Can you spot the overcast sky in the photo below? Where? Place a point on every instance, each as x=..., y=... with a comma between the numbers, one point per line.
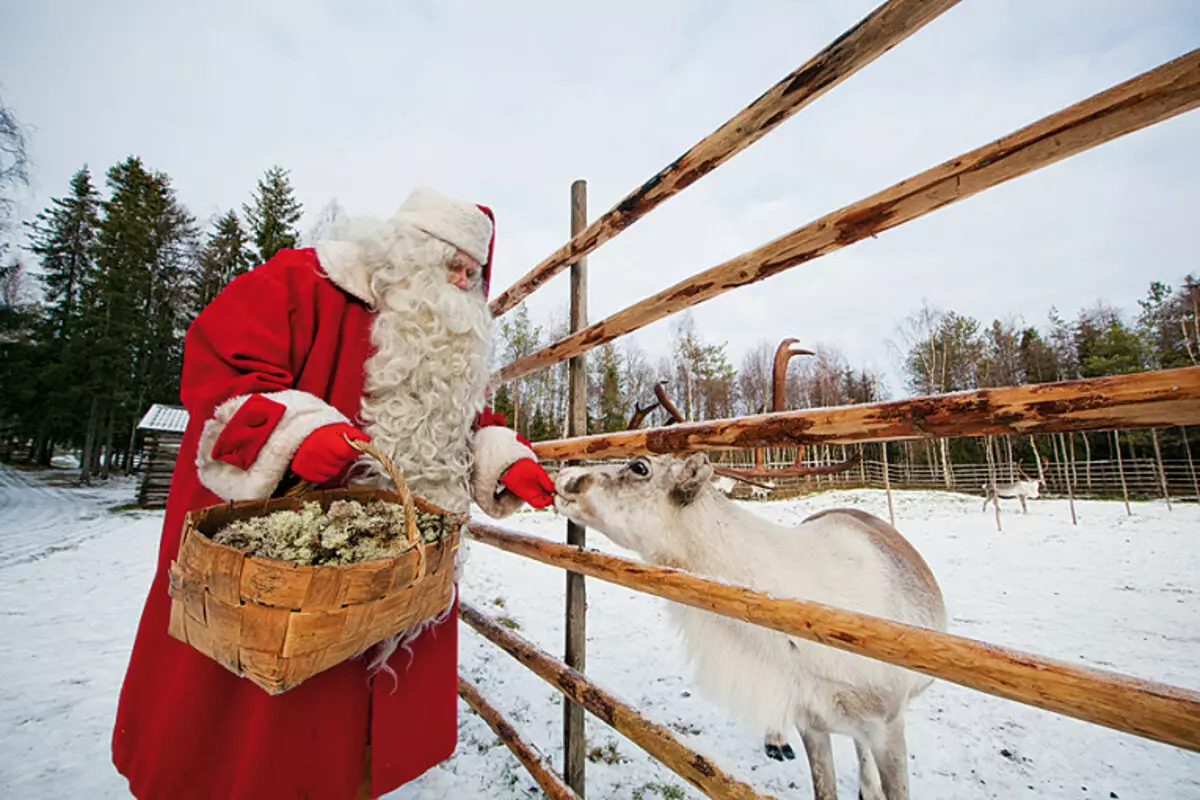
x=507, y=103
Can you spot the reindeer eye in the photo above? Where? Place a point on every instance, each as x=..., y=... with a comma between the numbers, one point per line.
x=639, y=468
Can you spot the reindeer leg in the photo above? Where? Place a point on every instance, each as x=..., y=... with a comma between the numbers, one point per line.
x=820, y=763
x=891, y=757
x=869, y=787
x=777, y=748
x=1024, y=508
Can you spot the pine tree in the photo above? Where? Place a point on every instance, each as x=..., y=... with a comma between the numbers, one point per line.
x=1163, y=326
x=273, y=215
x=610, y=400
x=1038, y=362
x=136, y=309
x=63, y=237
x=225, y=255
x=1105, y=345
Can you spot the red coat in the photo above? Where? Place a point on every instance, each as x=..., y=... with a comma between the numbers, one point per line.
x=185, y=726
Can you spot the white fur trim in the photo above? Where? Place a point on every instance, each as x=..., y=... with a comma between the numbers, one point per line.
x=496, y=449
x=305, y=413
x=343, y=263
x=460, y=224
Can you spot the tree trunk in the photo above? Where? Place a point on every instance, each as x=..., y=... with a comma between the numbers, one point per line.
x=89, y=443
x=106, y=464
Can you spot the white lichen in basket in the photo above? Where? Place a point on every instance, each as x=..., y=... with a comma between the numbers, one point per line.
x=348, y=533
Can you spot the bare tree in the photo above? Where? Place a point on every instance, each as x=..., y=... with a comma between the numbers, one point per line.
x=14, y=163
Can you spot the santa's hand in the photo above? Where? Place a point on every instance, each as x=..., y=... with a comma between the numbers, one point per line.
x=528, y=481
x=325, y=453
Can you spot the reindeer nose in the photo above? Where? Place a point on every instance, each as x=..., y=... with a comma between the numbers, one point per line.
x=572, y=481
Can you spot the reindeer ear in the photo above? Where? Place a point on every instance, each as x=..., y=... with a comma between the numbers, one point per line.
x=690, y=476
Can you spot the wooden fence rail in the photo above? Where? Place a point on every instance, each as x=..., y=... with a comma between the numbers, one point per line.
x=538, y=765
x=1142, y=400
x=882, y=30
x=626, y=720
x=1151, y=97
x=1153, y=710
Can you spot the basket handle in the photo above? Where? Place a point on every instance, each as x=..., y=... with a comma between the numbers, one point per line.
x=393, y=472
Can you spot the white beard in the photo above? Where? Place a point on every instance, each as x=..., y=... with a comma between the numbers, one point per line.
x=426, y=381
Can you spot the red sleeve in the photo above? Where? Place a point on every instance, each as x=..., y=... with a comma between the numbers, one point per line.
x=249, y=338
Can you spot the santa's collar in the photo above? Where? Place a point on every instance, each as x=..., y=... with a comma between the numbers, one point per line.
x=344, y=265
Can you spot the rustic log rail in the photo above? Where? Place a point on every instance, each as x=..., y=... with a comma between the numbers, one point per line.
x=880, y=31
x=1152, y=710
x=1152, y=97
x=1140, y=400
x=538, y=765
x=650, y=736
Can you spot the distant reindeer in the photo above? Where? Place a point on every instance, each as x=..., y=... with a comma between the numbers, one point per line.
x=667, y=510
x=1029, y=487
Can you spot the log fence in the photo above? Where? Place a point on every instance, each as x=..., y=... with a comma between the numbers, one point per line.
x=1150, y=400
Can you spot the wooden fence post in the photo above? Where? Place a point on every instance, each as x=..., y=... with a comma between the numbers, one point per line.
x=1121, y=471
x=991, y=465
x=1191, y=465
x=1162, y=472
x=574, y=741
x=887, y=483
x=1070, y=475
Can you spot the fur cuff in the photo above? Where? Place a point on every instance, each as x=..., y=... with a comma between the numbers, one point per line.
x=496, y=449
x=305, y=413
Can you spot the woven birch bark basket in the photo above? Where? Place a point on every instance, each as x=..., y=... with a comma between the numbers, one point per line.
x=278, y=623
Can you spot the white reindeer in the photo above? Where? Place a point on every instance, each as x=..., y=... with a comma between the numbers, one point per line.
x=665, y=509
x=1028, y=487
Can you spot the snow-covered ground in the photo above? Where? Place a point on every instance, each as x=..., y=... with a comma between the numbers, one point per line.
x=1117, y=592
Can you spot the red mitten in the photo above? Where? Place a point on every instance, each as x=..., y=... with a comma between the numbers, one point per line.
x=325, y=453
x=528, y=481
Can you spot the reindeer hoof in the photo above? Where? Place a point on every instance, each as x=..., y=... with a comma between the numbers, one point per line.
x=774, y=753
x=788, y=752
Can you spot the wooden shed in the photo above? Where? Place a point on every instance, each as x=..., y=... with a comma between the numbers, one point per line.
x=162, y=430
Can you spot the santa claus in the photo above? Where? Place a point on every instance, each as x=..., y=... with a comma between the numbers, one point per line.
x=383, y=333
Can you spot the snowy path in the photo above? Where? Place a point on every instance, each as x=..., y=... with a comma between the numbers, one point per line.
x=1116, y=592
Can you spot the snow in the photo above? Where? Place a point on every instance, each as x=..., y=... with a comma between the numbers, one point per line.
x=1117, y=592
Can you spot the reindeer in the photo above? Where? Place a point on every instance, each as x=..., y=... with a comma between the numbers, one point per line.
x=667, y=510
x=1028, y=487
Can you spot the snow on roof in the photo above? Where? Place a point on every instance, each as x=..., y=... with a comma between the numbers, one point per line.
x=169, y=419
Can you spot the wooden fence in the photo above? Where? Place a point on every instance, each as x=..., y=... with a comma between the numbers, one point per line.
x=1088, y=479
x=1166, y=713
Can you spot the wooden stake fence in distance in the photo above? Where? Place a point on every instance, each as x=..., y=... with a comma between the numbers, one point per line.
x=1140, y=400
x=883, y=29
x=626, y=720
x=538, y=765
x=1149, y=98
x=1157, y=711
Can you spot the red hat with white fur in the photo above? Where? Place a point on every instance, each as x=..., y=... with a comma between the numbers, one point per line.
x=471, y=228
